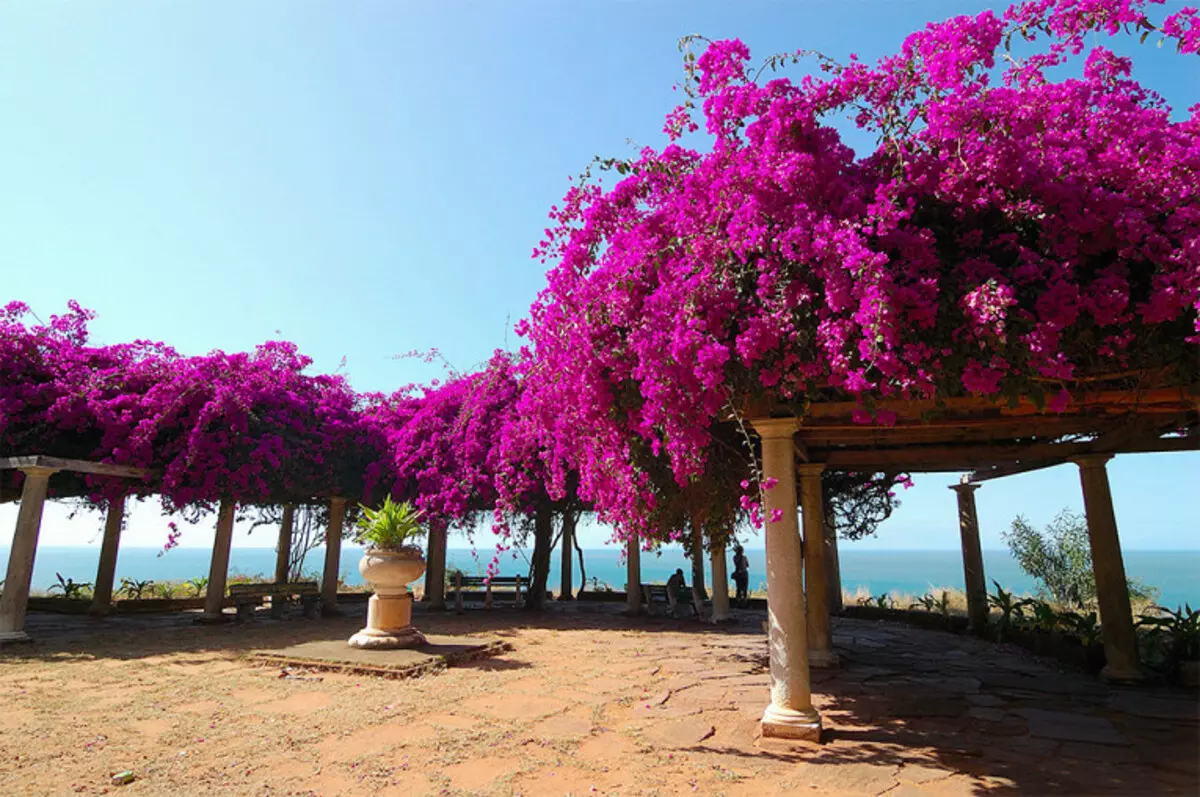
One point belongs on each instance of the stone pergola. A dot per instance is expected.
(971, 435)
(38, 469)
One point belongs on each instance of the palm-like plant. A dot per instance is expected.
(69, 587)
(390, 526)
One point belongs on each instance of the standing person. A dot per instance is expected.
(741, 574)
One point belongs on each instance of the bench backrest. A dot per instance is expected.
(497, 581)
(297, 588)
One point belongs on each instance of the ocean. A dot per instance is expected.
(909, 572)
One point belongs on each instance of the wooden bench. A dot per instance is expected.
(248, 597)
(658, 593)
(515, 583)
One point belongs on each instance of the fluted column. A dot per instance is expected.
(833, 565)
(435, 573)
(790, 713)
(218, 570)
(1112, 587)
(720, 585)
(21, 554)
(972, 553)
(333, 558)
(106, 569)
(567, 587)
(816, 576)
(633, 576)
(283, 550)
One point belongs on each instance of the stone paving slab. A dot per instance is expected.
(334, 654)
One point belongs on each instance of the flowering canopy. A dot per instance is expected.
(1002, 235)
(250, 427)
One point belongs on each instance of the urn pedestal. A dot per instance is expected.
(389, 612)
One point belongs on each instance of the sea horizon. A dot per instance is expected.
(877, 571)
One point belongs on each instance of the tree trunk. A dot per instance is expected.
(543, 538)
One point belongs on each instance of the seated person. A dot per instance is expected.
(677, 591)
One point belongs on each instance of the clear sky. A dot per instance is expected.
(369, 177)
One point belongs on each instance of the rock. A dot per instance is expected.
(687, 732)
(1071, 727)
(849, 778)
(1140, 705)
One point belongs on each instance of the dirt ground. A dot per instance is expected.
(587, 702)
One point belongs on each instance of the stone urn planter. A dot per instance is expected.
(389, 611)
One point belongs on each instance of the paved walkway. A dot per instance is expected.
(591, 702)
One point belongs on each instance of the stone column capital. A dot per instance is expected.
(775, 428)
(965, 487)
(337, 500)
(1090, 461)
(810, 468)
(39, 472)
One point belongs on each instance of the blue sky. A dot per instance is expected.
(369, 178)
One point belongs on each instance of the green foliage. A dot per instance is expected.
(1011, 609)
(164, 590)
(1060, 557)
(1085, 627)
(70, 588)
(931, 604)
(1179, 629)
(134, 590)
(1042, 614)
(199, 585)
(388, 527)
(882, 601)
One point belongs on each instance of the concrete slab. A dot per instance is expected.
(334, 654)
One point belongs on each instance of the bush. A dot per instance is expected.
(1060, 558)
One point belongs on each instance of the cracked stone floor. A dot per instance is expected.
(586, 702)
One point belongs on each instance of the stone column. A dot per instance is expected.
(816, 578)
(720, 585)
(567, 591)
(106, 570)
(218, 571)
(435, 573)
(21, 554)
(633, 577)
(283, 550)
(790, 713)
(698, 591)
(832, 561)
(333, 558)
(1112, 587)
(973, 575)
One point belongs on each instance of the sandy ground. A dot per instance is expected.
(586, 703)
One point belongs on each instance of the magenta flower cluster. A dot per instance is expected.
(1010, 234)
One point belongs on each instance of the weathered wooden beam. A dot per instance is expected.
(76, 465)
(1121, 401)
(965, 458)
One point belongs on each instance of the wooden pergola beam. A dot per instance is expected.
(76, 465)
(964, 458)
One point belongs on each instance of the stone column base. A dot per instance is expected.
(1121, 676)
(216, 618)
(14, 638)
(823, 658)
(387, 638)
(389, 624)
(784, 723)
